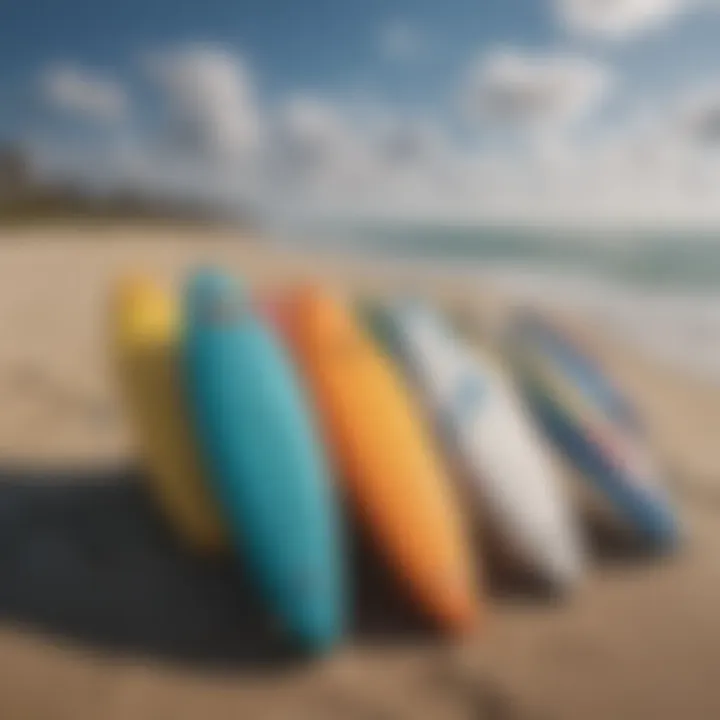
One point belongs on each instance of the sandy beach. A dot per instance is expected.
(104, 617)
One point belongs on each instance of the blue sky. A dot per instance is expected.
(320, 44)
(491, 98)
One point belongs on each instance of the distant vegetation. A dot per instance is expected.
(24, 199)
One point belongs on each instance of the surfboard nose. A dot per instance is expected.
(209, 283)
(215, 296)
(141, 306)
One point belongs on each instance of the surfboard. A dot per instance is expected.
(144, 326)
(595, 426)
(386, 457)
(263, 455)
(490, 439)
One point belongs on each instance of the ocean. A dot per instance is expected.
(658, 290)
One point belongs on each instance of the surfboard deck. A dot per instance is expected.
(392, 474)
(144, 326)
(264, 458)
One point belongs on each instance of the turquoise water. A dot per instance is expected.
(656, 259)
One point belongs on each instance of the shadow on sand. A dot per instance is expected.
(611, 545)
(607, 545)
(84, 555)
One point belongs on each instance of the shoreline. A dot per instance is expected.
(659, 320)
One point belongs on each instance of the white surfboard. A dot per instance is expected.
(493, 442)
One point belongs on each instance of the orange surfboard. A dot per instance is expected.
(384, 455)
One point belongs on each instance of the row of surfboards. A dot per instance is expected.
(263, 422)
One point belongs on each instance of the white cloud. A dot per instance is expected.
(316, 137)
(82, 93)
(536, 91)
(400, 40)
(328, 156)
(325, 156)
(620, 19)
(320, 133)
(213, 109)
(314, 131)
(699, 117)
(409, 168)
(323, 153)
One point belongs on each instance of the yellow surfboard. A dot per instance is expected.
(145, 325)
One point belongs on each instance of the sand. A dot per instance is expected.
(103, 616)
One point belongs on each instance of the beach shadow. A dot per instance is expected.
(384, 613)
(610, 545)
(510, 581)
(514, 586)
(507, 579)
(84, 555)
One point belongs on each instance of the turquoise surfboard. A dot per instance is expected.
(264, 460)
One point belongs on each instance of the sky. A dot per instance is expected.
(463, 111)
